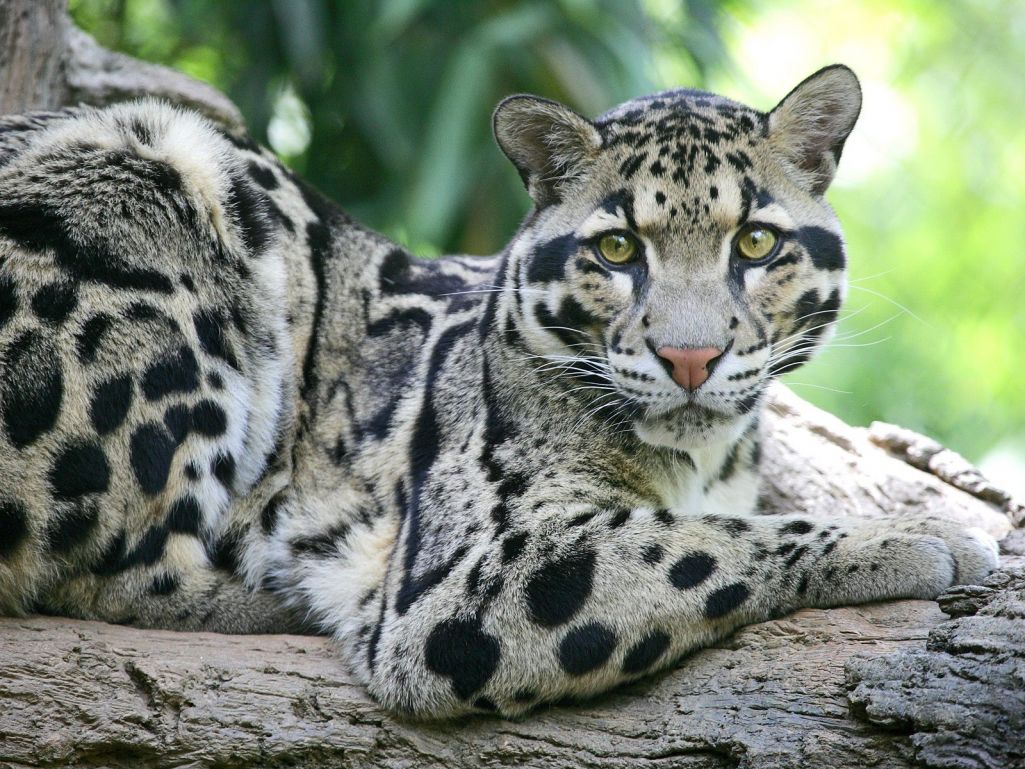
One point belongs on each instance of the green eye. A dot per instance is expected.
(756, 242)
(617, 248)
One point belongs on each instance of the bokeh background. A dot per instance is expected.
(385, 105)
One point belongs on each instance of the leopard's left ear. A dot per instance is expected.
(547, 142)
(811, 124)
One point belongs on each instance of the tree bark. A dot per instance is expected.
(888, 685)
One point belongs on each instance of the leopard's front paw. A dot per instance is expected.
(959, 555)
(975, 552)
(909, 558)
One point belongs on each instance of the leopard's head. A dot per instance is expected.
(680, 253)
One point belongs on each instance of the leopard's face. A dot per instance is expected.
(684, 263)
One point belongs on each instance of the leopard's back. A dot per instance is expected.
(150, 281)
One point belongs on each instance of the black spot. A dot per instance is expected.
(807, 306)
(653, 554)
(580, 520)
(620, 517)
(8, 299)
(691, 570)
(185, 516)
(483, 703)
(586, 648)
(460, 650)
(645, 653)
(177, 420)
(212, 338)
(111, 561)
(110, 403)
(726, 599)
(824, 247)
(664, 517)
(392, 272)
(34, 388)
(785, 548)
(263, 176)
(80, 469)
(796, 527)
(557, 591)
(402, 319)
(829, 548)
(735, 526)
(225, 553)
(208, 419)
(729, 465)
(73, 527)
(269, 514)
(91, 336)
(512, 546)
(150, 548)
(55, 301)
(322, 545)
(251, 213)
(13, 527)
(174, 373)
(802, 586)
(797, 555)
(223, 468)
(152, 450)
(164, 584)
(783, 261)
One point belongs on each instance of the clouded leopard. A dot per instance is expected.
(497, 481)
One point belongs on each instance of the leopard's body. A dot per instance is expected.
(226, 406)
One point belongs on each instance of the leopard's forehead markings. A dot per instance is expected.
(685, 141)
(708, 123)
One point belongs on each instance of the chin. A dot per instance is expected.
(690, 426)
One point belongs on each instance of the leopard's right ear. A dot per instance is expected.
(548, 143)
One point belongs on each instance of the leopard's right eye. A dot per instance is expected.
(756, 242)
(617, 248)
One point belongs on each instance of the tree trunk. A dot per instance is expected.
(889, 685)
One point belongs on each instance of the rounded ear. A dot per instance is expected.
(548, 143)
(811, 124)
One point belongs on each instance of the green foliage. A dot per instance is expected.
(385, 106)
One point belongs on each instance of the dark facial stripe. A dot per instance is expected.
(824, 247)
(548, 260)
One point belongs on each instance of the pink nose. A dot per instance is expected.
(690, 364)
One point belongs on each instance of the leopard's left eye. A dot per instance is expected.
(617, 247)
(756, 241)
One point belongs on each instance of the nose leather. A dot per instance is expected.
(691, 365)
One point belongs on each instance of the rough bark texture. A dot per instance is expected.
(887, 685)
(47, 62)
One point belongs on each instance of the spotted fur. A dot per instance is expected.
(225, 405)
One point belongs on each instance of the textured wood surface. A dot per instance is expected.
(82, 694)
(47, 62)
